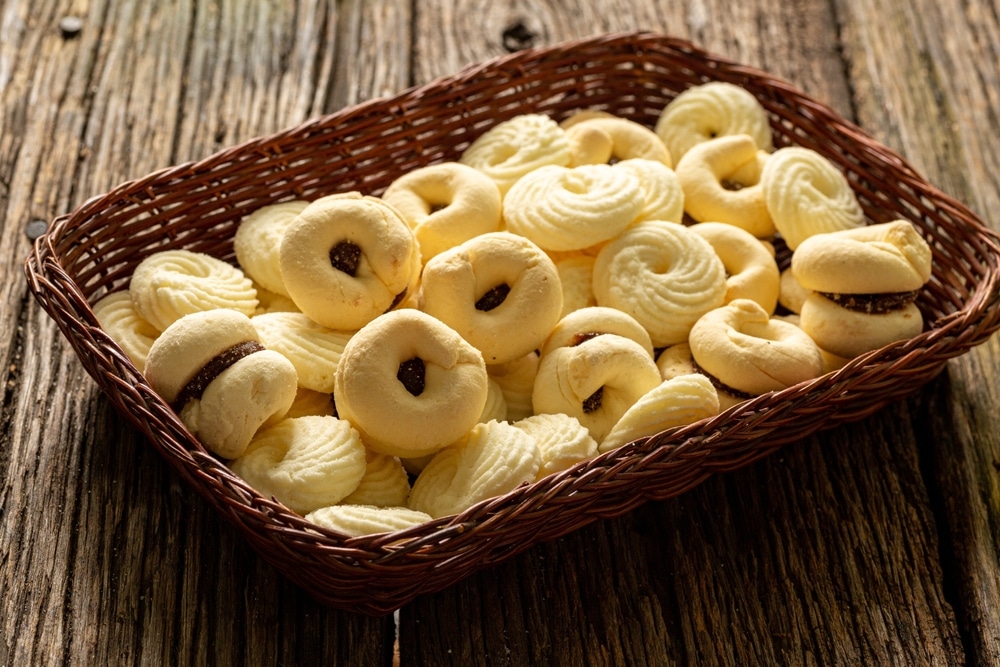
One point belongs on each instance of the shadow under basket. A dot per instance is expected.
(198, 206)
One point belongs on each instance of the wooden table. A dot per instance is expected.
(876, 543)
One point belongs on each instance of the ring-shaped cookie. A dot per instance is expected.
(663, 275)
(807, 194)
(445, 204)
(587, 323)
(258, 238)
(313, 349)
(499, 291)
(745, 349)
(599, 140)
(721, 183)
(595, 381)
(712, 110)
(662, 193)
(572, 208)
(509, 150)
(170, 284)
(118, 317)
(348, 258)
(752, 273)
(410, 384)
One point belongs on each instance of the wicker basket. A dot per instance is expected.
(197, 206)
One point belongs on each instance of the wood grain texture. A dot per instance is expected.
(876, 543)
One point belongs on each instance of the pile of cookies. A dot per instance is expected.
(560, 290)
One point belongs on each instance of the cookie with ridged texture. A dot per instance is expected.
(563, 208)
(576, 276)
(806, 194)
(309, 402)
(562, 441)
(313, 349)
(512, 148)
(496, 405)
(516, 379)
(348, 258)
(384, 484)
(359, 520)
(595, 381)
(169, 284)
(681, 400)
(712, 110)
(258, 238)
(662, 274)
(491, 459)
(305, 463)
(663, 196)
(118, 317)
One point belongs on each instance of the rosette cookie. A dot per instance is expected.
(562, 441)
(384, 484)
(517, 380)
(445, 204)
(711, 110)
(807, 194)
(663, 196)
(595, 381)
(499, 291)
(348, 258)
(257, 240)
(118, 317)
(662, 274)
(509, 150)
(172, 283)
(721, 183)
(212, 369)
(675, 402)
(492, 459)
(358, 520)
(562, 208)
(410, 384)
(313, 349)
(305, 463)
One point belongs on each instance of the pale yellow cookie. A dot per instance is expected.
(752, 273)
(496, 405)
(212, 369)
(791, 294)
(118, 317)
(492, 459)
(679, 401)
(663, 275)
(313, 349)
(499, 291)
(850, 333)
(410, 384)
(359, 520)
(562, 441)
(600, 139)
(675, 360)
(517, 380)
(172, 283)
(712, 110)
(509, 150)
(663, 196)
(445, 204)
(563, 208)
(747, 350)
(595, 381)
(309, 402)
(807, 194)
(348, 258)
(576, 276)
(272, 302)
(305, 463)
(257, 240)
(384, 484)
(587, 323)
(721, 183)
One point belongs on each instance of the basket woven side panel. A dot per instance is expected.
(197, 206)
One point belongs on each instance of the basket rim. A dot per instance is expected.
(948, 335)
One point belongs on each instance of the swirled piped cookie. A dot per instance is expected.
(509, 150)
(258, 238)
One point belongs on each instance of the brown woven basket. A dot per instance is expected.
(197, 206)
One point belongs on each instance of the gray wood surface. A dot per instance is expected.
(875, 543)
